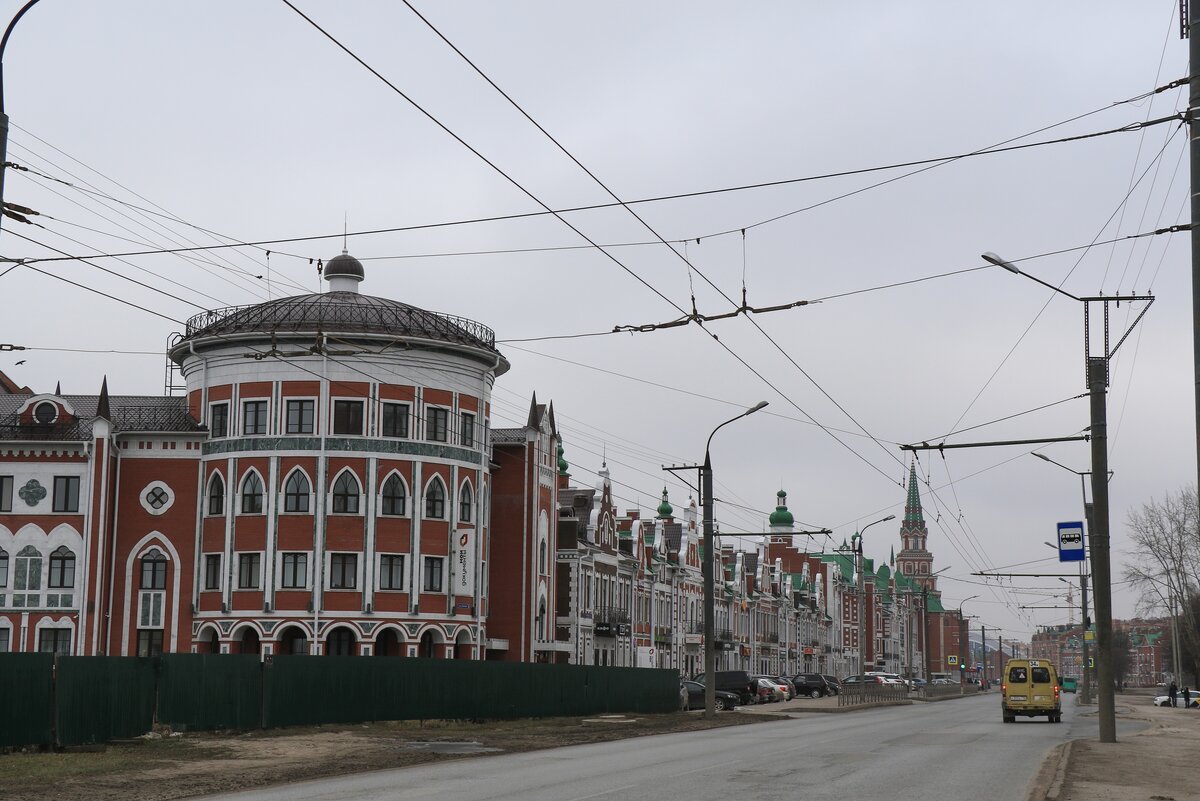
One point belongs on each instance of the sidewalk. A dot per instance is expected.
(1160, 762)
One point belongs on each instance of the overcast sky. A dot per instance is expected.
(242, 119)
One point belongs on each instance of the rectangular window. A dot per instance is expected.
(300, 415)
(212, 571)
(55, 641)
(391, 572)
(66, 493)
(395, 420)
(432, 577)
(348, 417)
(249, 570)
(4, 635)
(343, 571)
(466, 434)
(295, 571)
(435, 424)
(6, 493)
(149, 642)
(154, 574)
(254, 417)
(150, 610)
(218, 420)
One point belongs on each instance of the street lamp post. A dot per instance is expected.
(1097, 384)
(710, 654)
(862, 643)
(964, 641)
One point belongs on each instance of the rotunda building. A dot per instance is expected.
(345, 474)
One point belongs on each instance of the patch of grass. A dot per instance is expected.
(19, 770)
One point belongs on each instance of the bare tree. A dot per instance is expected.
(1165, 566)
(1121, 644)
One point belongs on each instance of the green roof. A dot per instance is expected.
(843, 562)
(935, 604)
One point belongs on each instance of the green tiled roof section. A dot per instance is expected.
(935, 604)
(912, 506)
(798, 582)
(843, 562)
(884, 573)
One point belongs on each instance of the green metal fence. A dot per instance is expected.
(102, 698)
(94, 699)
(29, 702)
(210, 691)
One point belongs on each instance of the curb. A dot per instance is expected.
(1060, 772)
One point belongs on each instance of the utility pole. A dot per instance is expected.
(1187, 29)
(983, 651)
(1097, 375)
(925, 631)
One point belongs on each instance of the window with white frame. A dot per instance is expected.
(254, 417)
(218, 420)
(294, 575)
(295, 492)
(55, 641)
(435, 499)
(212, 571)
(466, 431)
(391, 571)
(249, 571)
(394, 422)
(435, 423)
(465, 503)
(5, 638)
(62, 577)
(216, 495)
(66, 493)
(27, 578)
(152, 595)
(345, 494)
(394, 496)
(431, 576)
(300, 416)
(348, 417)
(343, 571)
(252, 494)
(6, 493)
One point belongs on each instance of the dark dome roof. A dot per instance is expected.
(339, 312)
(343, 264)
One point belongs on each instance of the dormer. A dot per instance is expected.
(46, 410)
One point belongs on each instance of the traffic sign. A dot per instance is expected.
(951, 660)
(1091, 661)
(1070, 542)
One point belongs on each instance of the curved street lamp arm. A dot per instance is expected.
(4, 43)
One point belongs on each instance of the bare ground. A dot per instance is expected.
(183, 766)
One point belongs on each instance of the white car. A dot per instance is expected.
(1165, 700)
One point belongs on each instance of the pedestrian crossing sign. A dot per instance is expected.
(952, 660)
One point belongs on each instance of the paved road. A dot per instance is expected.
(945, 750)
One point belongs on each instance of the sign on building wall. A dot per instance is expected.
(646, 656)
(464, 562)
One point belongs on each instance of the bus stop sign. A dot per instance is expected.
(1070, 542)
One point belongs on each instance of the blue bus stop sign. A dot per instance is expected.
(1070, 542)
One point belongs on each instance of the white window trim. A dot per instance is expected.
(447, 499)
(409, 414)
(333, 402)
(425, 423)
(220, 572)
(208, 494)
(308, 572)
(242, 415)
(443, 560)
(281, 507)
(237, 507)
(408, 496)
(229, 427)
(403, 573)
(362, 501)
(237, 562)
(283, 416)
(358, 571)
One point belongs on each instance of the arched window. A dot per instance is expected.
(154, 570)
(27, 578)
(216, 495)
(394, 495)
(435, 500)
(464, 503)
(345, 494)
(252, 494)
(295, 493)
(340, 642)
(62, 568)
(541, 619)
(542, 556)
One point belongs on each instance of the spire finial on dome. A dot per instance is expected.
(343, 272)
(664, 508)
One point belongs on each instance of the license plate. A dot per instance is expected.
(1041, 698)
(1017, 698)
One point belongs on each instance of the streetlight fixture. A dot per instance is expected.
(964, 640)
(862, 643)
(710, 655)
(1096, 375)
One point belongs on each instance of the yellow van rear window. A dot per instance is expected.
(1041, 675)
(1018, 675)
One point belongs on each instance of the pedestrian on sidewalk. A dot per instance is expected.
(1173, 692)
(1187, 698)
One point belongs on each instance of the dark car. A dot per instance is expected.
(835, 686)
(734, 681)
(811, 684)
(695, 697)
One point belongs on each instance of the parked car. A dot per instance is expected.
(786, 684)
(1069, 684)
(734, 681)
(854, 681)
(888, 678)
(835, 684)
(770, 690)
(1165, 700)
(694, 691)
(813, 685)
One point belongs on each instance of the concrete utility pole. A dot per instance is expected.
(1101, 566)
(1188, 29)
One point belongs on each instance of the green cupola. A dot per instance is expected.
(562, 463)
(781, 517)
(664, 508)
